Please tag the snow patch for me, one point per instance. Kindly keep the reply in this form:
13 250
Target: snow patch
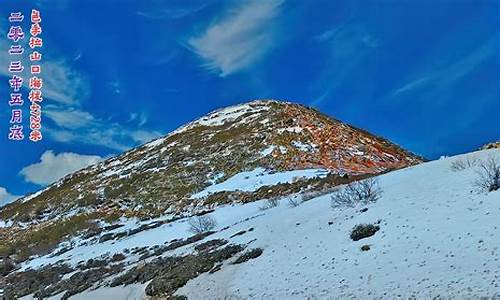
251 181
304 147
267 151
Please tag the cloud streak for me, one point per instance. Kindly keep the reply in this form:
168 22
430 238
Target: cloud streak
239 39
55 166
67 90
78 126
412 85
171 13
61 83
348 47
454 72
6 197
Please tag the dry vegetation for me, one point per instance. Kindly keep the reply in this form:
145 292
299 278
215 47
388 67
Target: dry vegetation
357 192
488 175
467 162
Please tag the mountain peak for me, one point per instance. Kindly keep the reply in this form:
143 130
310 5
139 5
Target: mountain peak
163 174
242 153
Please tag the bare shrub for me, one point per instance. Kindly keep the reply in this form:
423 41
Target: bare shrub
306 196
464 163
488 175
270 203
201 224
294 201
364 192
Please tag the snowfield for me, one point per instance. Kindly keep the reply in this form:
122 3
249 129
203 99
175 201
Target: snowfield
438 236
253 180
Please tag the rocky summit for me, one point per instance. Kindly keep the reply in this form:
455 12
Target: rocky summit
492 145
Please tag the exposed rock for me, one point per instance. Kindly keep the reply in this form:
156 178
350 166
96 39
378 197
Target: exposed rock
490 146
31 281
363 231
167 274
210 245
254 253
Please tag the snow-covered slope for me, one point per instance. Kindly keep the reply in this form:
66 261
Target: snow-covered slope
438 237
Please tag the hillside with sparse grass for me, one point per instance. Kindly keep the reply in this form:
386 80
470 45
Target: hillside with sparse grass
290 147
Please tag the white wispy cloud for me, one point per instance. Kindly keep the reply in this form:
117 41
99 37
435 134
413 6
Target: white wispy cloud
348 48
115 87
453 72
348 40
412 85
69 118
6 197
141 118
239 39
67 89
77 56
172 13
55 166
78 126
61 83
108 138
142 136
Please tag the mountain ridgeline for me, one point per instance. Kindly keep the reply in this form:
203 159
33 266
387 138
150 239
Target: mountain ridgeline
166 176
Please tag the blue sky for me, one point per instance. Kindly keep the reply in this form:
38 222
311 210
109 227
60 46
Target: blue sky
424 74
